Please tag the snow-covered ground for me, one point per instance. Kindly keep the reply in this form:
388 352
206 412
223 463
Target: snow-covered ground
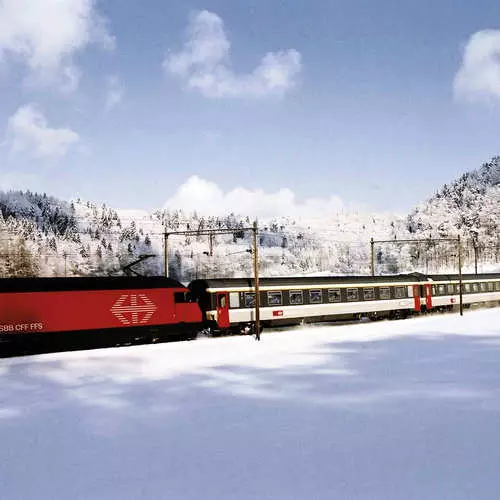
390 410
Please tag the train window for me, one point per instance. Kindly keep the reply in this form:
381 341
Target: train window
369 293
182 297
274 298
385 292
352 294
484 287
296 297
249 299
498 286
399 292
234 300
315 297
491 286
475 287
334 295
221 301
467 287
451 289
434 290
441 290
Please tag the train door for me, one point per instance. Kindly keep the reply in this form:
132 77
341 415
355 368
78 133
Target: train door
416 297
222 309
428 296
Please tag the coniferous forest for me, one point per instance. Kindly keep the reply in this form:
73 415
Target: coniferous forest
41 235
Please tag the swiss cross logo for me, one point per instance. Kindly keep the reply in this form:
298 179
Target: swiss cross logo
133 309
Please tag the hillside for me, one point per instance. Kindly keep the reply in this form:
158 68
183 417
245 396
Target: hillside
79 238
41 235
469 206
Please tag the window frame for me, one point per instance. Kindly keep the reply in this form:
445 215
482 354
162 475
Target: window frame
331 292
314 291
248 295
275 293
292 302
222 301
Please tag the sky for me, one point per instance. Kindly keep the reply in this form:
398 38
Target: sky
223 105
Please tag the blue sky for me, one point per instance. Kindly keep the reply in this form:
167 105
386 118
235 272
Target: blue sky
316 104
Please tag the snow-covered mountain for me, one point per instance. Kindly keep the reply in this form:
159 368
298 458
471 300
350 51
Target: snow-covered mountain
471 201
469 206
41 235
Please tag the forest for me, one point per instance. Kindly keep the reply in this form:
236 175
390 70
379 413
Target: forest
41 235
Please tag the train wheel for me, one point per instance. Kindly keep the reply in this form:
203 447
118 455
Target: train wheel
247 329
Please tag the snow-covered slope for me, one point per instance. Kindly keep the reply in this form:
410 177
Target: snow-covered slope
41 235
390 410
469 206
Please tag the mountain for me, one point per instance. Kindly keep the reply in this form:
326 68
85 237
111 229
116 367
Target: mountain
469 206
41 235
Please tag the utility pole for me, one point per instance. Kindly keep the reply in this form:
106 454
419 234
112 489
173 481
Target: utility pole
460 275
256 281
211 233
165 248
474 244
372 259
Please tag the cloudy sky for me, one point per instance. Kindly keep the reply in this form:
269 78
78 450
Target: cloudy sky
252 104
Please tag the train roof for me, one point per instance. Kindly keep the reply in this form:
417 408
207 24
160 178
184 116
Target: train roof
308 281
465 277
304 281
14 285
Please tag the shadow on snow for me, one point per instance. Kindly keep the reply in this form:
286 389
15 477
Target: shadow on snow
408 417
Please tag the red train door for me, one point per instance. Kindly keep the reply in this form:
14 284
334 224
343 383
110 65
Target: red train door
416 297
222 309
428 296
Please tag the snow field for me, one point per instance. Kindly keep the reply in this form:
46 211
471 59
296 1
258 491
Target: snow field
386 410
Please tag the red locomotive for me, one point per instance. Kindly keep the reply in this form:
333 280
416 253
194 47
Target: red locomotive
49 314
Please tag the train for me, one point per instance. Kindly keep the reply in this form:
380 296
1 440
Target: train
52 314
229 304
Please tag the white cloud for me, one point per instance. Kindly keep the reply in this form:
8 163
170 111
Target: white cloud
479 74
45 35
114 92
204 64
206 197
28 131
